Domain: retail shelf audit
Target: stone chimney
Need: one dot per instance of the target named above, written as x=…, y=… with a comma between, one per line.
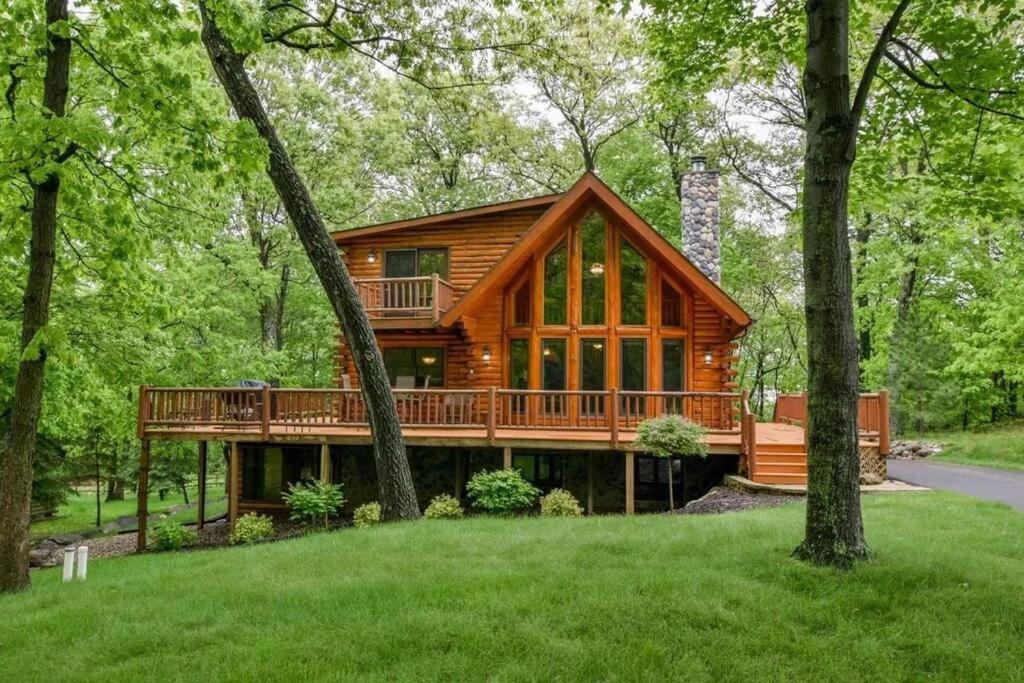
x=701, y=239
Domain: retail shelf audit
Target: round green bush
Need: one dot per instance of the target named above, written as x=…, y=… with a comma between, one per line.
x=251, y=528
x=560, y=503
x=173, y=536
x=366, y=515
x=444, y=507
x=501, y=492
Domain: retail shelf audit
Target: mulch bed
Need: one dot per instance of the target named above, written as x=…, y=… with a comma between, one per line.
x=724, y=499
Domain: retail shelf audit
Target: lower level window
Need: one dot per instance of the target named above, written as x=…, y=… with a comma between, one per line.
x=655, y=470
x=541, y=470
x=411, y=368
x=267, y=472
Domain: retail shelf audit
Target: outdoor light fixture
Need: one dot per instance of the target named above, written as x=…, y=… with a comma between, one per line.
x=699, y=162
x=708, y=356
x=596, y=268
x=485, y=354
x=371, y=257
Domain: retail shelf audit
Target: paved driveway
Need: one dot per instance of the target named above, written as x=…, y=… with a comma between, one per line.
x=983, y=482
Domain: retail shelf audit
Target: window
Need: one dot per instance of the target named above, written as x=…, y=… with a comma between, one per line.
x=652, y=478
x=420, y=364
x=592, y=237
x=552, y=375
x=633, y=361
x=519, y=364
x=521, y=305
x=633, y=283
x=268, y=471
x=672, y=360
x=416, y=262
x=671, y=306
x=556, y=280
x=543, y=471
x=592, y=375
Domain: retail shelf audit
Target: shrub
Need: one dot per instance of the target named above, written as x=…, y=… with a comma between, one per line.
x=173, y=536
x=671, y=435
x=501, y=492
x=366, y=515
x=314, y=503
x=251, y=528
x=444, y=507
x=560, y=503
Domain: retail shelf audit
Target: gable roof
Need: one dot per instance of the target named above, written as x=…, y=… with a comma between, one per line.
x=589, y=186
x=446, y=217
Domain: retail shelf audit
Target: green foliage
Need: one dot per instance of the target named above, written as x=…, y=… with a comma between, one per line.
x=668, y=436
x=366, y=515
x=444, y=507
x=560, y=503
x=501, y=492
x=170, y=535
x=314, y=502
x=251, y=528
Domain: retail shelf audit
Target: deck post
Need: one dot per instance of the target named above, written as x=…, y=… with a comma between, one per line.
x=201, y=501
x=325, y=463
x=506, y=457
x=233, y=478
x=265, y=418
x=806, y=410
x=630, y=492
x=492, y=414
x=458, y=475
x=143, y=415
x=883, y=419
x=613, y=415
x=590, y=483
x=142, y=511
x=435, y=301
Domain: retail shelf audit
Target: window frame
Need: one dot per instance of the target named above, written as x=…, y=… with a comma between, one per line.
x=415, y=350
x=417, y=251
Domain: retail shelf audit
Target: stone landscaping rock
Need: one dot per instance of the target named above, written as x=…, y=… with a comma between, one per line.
x=127, y=521
x=47, y=544
x=175, y=509
x=870, y=479
x=111, y=528
x=69, y=539
x=45, y=558
x=908, y=450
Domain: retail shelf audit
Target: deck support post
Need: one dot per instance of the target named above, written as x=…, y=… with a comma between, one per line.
x=492, y=414
x=234, y=477
x=325, y=463
x=506, y=457
x=613, y=415
x=201, y=497
x=883, y=422
x=458, y=475
x=590, y=483
x=630, y=492
x=142, y=511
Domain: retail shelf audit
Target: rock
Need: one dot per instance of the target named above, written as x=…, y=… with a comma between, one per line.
x=111, y=528
x=48, y=544
x=69, y=539
x=870, y=479
x=175, y=509
x=127, y=521
x=45, y=558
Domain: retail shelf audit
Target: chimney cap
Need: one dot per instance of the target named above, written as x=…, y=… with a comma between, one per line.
x=699, y=162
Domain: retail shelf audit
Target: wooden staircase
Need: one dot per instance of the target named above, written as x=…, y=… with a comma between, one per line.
x=780, y=463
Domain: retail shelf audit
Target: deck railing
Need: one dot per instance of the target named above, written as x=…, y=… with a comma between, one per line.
x=405, y=297
x=298, y=410
x=872, y=415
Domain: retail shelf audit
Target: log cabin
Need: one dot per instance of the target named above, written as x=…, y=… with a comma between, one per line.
x=535, y=334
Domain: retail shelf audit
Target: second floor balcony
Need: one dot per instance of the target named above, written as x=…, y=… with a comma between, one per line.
x=426, y=297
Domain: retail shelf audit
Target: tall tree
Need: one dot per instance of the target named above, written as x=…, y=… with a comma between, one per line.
x=397, y=494
x=16, y=466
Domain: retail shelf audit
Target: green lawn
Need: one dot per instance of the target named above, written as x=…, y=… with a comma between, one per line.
x=80, y=511
x=1000, y=447
x=604, y=598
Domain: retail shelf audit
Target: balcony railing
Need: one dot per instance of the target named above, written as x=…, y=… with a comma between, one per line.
x=872, y=415
x=405, y=297
x=265, y=411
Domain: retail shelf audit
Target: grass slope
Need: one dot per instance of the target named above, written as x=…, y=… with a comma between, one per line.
x=79, y=513
x=1001, y=447
x=605, y=598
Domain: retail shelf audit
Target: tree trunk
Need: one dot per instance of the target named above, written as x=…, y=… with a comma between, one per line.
x=899, y=326
x=396, y=491
x=834, y=532
x=16, y=483
x=863, y=236
x=115, y=489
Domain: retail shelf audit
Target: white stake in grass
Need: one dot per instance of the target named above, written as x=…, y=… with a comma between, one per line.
x=83, y=561
x=69, y=564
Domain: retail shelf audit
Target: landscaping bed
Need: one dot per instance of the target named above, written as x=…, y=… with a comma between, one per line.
x=729, y=499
